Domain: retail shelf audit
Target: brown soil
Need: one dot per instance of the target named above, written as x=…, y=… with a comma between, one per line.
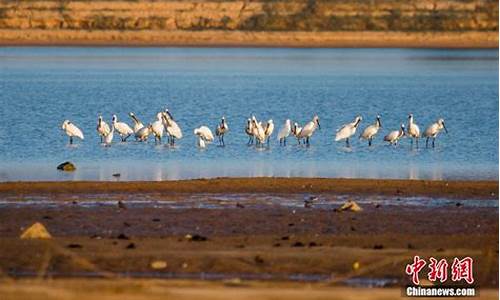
x=453, y=189
x=139, y=289
x=264, y=245
x=215, y=38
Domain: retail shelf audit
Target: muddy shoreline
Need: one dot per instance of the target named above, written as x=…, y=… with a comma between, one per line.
x=107, y=236
x=404, y=188
x=221, y=38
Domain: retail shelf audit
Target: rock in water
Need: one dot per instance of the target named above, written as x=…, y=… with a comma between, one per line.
x=36, y=231
x=66, y=166
x=350, y=205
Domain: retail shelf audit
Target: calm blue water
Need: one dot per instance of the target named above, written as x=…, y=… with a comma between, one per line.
x=40, y=87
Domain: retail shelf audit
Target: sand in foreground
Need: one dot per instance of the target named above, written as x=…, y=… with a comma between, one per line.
x=77, y=289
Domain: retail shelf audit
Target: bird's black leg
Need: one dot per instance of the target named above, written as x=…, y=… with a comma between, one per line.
x=71, y=140
x=284, y=142
x=369, y=141
x=347, y=142
x=427, y=142
x=433, y=140
x=416, y=139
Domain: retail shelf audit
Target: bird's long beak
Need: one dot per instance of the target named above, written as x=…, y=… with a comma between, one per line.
x=319, y=126
x=446, y=130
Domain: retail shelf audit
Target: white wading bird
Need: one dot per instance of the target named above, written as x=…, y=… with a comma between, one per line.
x=108, y=139
x=137, y=124
x=371, y=131
x=143, y=133
x=221, y=130
x=200, y=142
x=296, y=129
x=72, y=131
x=284, y=132
x=157, y=127
x=249, y=131
x=308, y=129
x=348, y=130
x=122, y=128
x=258, y=132
x=394, y=136
x=102, y=127
x=205, y=136
x=433, y=130
x=173, y=130
x=413, y=131
x=268, y=131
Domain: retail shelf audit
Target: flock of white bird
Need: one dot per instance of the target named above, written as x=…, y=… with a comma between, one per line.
x=257, y=132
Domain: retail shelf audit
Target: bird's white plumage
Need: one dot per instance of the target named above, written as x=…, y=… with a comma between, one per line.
x=249, y=127
x=309, y=128
x=108, y=139
x=258, y=131
x=413, y=130
x=204, y=133
x=122, y=128
x=347, y=130
x=143, y=133
x=371, y=130
x=102, y=127
x=200, y=142
x=285, y=130
x=72, y=130
x=393, y=136
x=157, y=127
x=137, y=123
x=172, y=127
x=434, y=129
x=268, y=131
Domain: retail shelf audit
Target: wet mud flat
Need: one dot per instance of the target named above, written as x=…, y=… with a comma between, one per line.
x=245, y=238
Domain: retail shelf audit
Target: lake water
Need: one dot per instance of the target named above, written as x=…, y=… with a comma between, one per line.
x=41, y=87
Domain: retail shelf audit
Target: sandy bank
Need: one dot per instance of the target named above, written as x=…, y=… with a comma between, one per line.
x=220, y=38
x=160, y=289
x=453, y=189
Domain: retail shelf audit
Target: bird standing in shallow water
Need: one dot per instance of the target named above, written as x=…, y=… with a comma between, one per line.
x=371, y=131
x=173, y=129
x=413, y=131
x=249, y=131
x=137, y=124
x=143, y=133
x=348, y=130
x=268, y=131
x=102, y=127
x=433, y=130
x=258, y=132
x=308, y=130
x=108, y=139
x=122, y=128
x=285, y=132
x=158, y=128
x=221, y=130
x=394, y=136
x=204, y=136
x=72, y=131
x=296, y=129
